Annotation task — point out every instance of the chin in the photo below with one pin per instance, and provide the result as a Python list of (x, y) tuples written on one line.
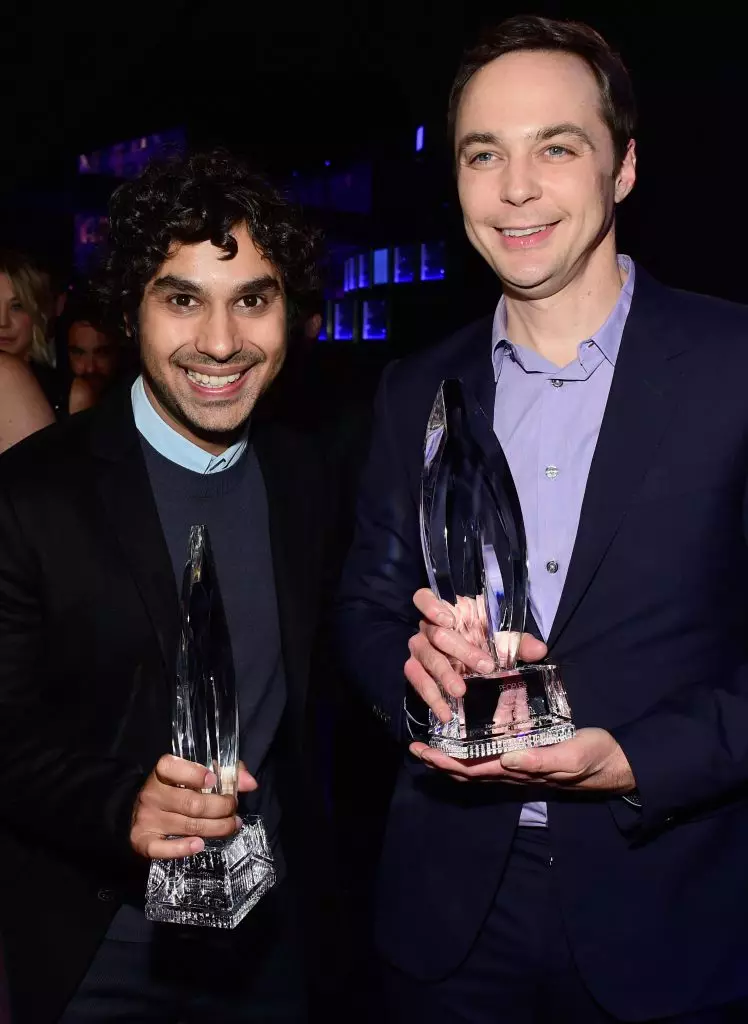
[(537, 284)]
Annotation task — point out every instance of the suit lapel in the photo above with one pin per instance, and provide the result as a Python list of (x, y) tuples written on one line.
[(125, 492), (639, 407)]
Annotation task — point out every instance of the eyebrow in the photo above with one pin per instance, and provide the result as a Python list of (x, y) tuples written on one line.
[(565, 128), (183, 285), (551, 131)]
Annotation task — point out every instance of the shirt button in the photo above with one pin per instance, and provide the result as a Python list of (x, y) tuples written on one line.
[(557, 383), (551, 566), (551, 472)]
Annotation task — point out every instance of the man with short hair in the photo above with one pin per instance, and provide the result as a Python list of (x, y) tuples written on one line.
[(93, 355), (205, 265), (602, 879)]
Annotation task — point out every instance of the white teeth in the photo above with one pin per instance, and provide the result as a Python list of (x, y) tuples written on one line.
[(210, 381), (516, 232)]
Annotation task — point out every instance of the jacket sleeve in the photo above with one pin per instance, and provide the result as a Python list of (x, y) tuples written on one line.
[(375, 613), (54, 790), (689, 753)]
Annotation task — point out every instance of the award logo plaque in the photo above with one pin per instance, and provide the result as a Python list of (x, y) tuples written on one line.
[(474, 546), (218, 887)]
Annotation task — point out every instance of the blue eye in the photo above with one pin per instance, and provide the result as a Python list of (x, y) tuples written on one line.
[(556, 151), (481, 158)]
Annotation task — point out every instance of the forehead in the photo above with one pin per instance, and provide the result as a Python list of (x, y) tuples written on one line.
[(529, 89), (83, 333), (7, 290), (206, 263)]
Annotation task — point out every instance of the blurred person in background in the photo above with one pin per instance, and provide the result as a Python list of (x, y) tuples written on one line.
[(97, 358), (24, 408), (28, 307)]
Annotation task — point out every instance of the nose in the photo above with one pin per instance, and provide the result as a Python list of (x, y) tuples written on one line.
[(4, 314), (89, 364), (519, 182), (220, 338)]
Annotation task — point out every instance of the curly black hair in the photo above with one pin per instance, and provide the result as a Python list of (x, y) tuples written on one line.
[(195, 199)]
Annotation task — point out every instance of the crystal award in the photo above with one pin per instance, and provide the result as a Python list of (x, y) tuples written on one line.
[(219, 886), (474, 546)]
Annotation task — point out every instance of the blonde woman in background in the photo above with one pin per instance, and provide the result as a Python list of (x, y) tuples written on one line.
[(30, 395)]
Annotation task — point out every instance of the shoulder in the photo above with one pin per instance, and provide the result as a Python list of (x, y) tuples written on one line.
[(421, 374), (82, 395), (46, 457), (17, 380), (696, 321), (699, 311)]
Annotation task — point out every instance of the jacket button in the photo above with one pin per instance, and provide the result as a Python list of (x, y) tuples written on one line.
[(105, 895)]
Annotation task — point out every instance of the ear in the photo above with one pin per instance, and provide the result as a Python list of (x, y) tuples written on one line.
[(626, 177)]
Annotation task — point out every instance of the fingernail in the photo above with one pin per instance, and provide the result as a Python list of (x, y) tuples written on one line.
[(196, 846), (457, 689), (512, 760), (485, 665), (444, 619), (239, 822), (210, 780)]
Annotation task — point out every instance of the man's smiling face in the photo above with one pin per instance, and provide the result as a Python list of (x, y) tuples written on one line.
[(212, 335)]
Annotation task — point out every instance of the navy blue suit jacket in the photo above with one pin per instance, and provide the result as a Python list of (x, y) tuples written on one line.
[(652, 641)]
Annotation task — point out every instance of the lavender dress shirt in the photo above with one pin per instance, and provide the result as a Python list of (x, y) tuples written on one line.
[(547, 421)]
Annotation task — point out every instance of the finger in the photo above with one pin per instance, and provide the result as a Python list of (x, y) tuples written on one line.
[(170, 824), (437, 665), (427, 689), (438, 759), (189, 804), (175, 771), (531, 649), (455, 646), (247, 783), (429, 605), (158, 848), (558, 758)]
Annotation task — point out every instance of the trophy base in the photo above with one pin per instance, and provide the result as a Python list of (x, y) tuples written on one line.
[(216, 888), (512, 710)]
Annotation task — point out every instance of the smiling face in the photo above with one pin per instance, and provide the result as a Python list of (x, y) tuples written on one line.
[(536, 170), (212, 335), (16, 324)]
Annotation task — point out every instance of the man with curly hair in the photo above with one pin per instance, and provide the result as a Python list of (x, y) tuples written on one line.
[(205, 268)]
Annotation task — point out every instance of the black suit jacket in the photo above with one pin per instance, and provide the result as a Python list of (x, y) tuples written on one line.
[(651, 636), (88, 621)]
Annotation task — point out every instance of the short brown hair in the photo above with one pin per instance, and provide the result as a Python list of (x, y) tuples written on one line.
[(533, 33)]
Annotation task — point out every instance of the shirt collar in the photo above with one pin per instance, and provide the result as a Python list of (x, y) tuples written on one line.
[(172, 445), (607, 338)]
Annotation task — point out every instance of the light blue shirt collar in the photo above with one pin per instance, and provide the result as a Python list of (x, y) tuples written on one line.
[(172, 445), (607, 340)]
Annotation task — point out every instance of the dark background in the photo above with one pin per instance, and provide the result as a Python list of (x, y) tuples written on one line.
[(296, 85)]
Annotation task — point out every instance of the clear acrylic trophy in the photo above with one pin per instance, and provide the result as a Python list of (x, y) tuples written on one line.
[(474, 546), (218, 887)]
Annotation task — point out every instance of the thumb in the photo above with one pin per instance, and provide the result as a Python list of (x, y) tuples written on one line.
[(246, 783), (531, 649)]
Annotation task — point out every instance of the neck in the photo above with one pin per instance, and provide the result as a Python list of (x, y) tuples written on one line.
[(554, 326), (213, 444)]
